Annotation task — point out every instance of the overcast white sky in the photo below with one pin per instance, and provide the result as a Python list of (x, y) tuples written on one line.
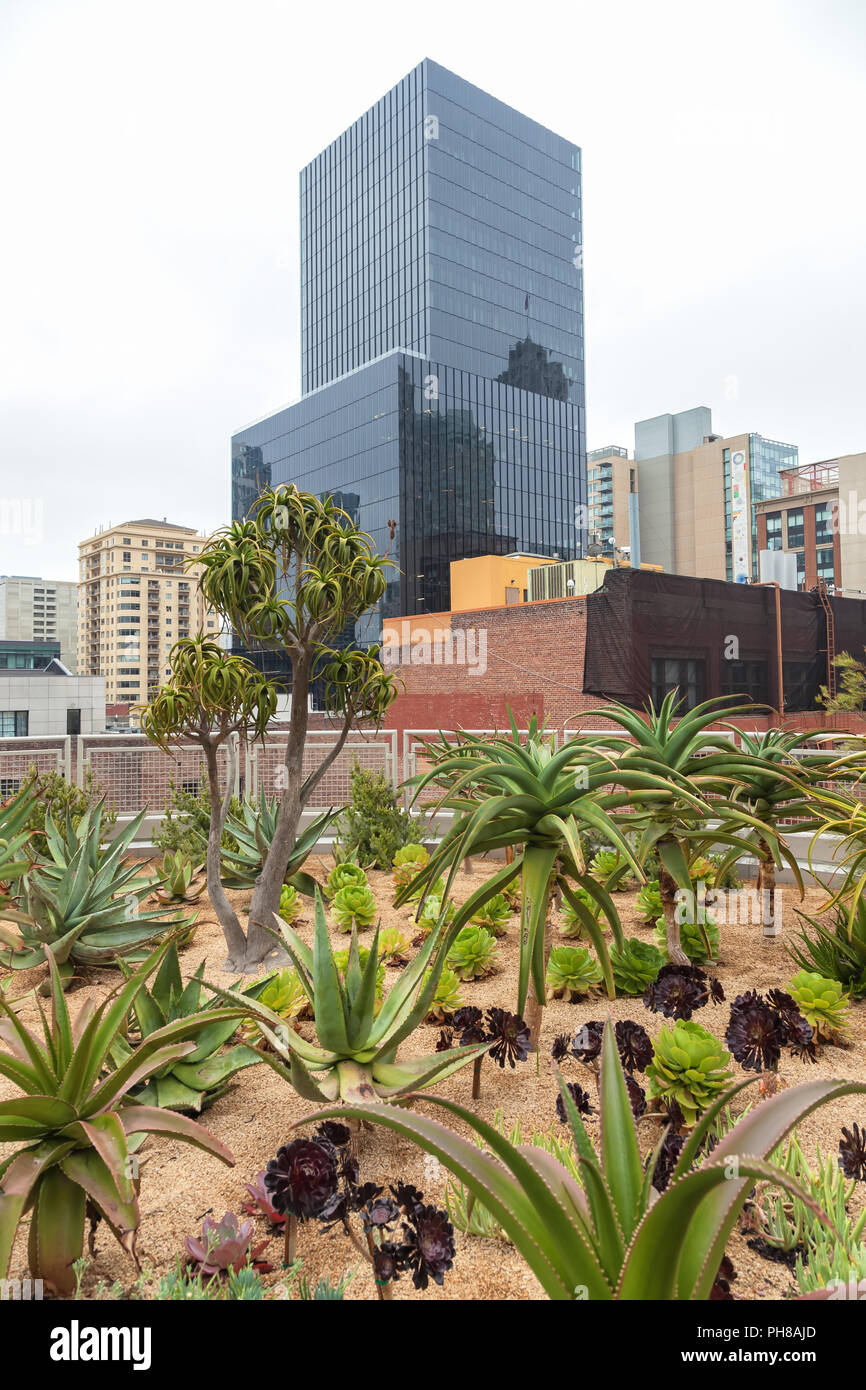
[(149, 238)]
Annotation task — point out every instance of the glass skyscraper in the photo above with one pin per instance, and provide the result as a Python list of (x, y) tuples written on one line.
[(441, 336)]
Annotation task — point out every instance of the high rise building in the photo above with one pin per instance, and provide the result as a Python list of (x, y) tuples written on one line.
[(699, 493), (40, 610), (441, 336), (136, 599)]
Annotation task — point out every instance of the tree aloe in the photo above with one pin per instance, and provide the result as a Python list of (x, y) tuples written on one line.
[(609, 1234)]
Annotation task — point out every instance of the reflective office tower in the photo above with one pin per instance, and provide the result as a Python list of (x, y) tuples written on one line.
[(442, 338)]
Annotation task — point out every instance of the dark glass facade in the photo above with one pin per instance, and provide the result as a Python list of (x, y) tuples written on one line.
[(436, 464), (442, 338)]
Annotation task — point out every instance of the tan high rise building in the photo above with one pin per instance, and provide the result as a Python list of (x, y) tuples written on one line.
[(136, 599), (611, 478), (33, 610)]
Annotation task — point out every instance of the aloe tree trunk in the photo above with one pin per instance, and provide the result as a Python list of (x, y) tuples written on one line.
[(535, 1007), (266, 893), (668, 892), (766, 886), (219, 809)]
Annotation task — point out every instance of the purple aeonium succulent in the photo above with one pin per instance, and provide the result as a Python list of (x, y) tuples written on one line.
[(634, 1045), (510, 1037), (469, 1023), (678, 990), (586, 1043), (636, 1096), (302, 1179), (580, 1098), (429, 1245), (852, 1153)]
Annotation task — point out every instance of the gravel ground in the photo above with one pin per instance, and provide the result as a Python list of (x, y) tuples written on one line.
[(180, 1184)]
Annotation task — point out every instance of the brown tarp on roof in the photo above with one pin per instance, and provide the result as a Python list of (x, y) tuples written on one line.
[(640, 614)]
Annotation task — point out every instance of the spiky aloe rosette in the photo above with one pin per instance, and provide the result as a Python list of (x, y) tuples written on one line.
[(354, 1057), (689, 1066)]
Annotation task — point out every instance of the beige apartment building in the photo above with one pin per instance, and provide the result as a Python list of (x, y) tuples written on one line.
[(40, 610), (136, 599), (699, 494)]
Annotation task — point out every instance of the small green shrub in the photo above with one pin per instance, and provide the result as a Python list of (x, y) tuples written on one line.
[(373, 827), (345, 875), (691, 940)]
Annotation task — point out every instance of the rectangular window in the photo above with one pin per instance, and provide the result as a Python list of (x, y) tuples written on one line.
[(747, 678), (73, 721), (14, 723), (683, 674), (796, 534), (774, 530)]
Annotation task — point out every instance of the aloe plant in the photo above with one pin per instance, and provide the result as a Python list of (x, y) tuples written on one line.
[(14, 839), (836, 950), (77, 1130), (191, 1083), (83, 905), (180, 879), (540, 802), (354, 906), (609, 1234), (354, 1057), (252, 830)]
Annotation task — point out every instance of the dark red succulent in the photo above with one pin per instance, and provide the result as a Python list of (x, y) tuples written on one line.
[(759, 1028), (586, 1043), (721, 1290), (852, 1153), (334, 1133), (668, 1156), (302, 1179), (636, 1096), (509, 1035), (581, 1099), (678, 990), (261, 1203), (561, 1047), (388, 1260), (445, 1041), (469, 1023), (634, 1045), (429, 1245)]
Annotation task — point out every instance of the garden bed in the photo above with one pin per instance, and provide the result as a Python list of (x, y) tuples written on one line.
[(180, 1185)]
